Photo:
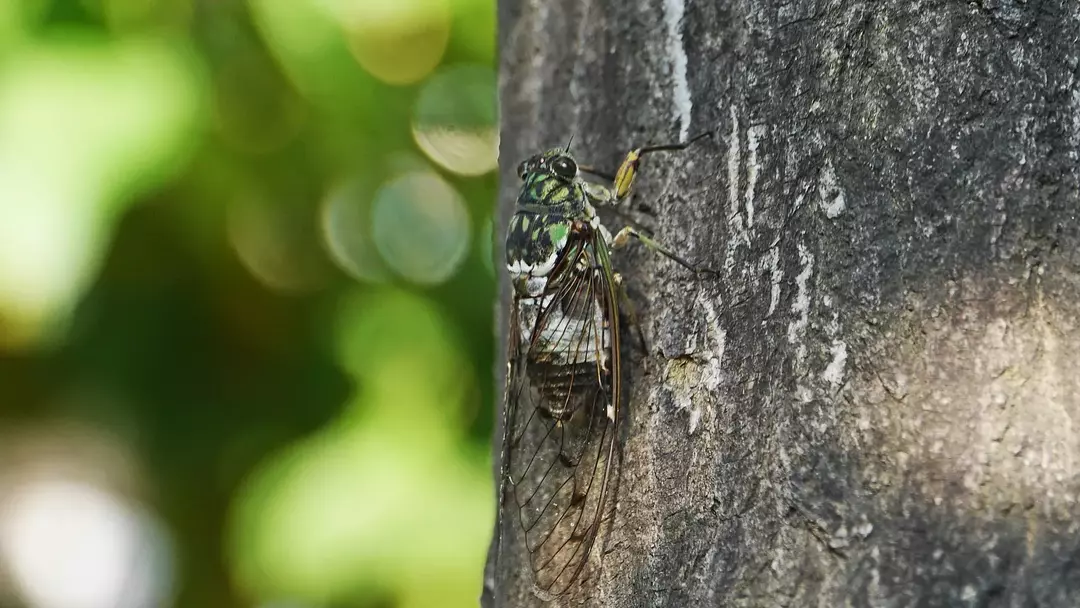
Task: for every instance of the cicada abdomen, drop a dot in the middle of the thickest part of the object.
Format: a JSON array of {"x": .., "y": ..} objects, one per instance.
[{"x": 565, "y": 391}]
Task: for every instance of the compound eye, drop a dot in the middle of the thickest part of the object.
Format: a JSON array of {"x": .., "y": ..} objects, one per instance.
[
  {"x": 564, "y": 167},
  {"x": 521, "y": 170}
]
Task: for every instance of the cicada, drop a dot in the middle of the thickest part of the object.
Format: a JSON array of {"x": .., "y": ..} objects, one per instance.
[{"x": 564, "y": 384}]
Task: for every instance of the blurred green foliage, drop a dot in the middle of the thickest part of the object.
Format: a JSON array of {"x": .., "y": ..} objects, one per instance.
[{"x": 246, "y": 285}]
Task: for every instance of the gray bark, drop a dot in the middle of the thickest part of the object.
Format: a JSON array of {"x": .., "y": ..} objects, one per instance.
[{"x": 877, "y": 403}]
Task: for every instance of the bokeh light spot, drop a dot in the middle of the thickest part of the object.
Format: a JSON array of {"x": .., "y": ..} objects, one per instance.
[
  {"x": 397, "y": 41},
  {"x": 345, "y": 218},
  {"x": 463, "y": 151},
  {"x": 70, "y": 535},
  {"x": 456, "y": 119},
  {"x": 67, "y": 170},
  {"x": 421, "y": 227},
  {"x": 388, "y": 338},
  {"x": 70, "y": 545},
  {"x": 274, "y": 244},
  {"x": 350, "y": 511}
]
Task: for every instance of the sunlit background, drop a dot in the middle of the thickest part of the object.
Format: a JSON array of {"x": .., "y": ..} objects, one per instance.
[{"x": 246, "y": 298}]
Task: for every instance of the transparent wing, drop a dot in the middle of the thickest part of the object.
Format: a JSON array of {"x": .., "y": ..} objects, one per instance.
[{"x": 562, "y": 412}]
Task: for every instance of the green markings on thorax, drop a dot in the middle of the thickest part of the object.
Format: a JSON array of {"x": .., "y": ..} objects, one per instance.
[
  {"x": 558, "y": 232},
  {"x": 547, "y": 190}
]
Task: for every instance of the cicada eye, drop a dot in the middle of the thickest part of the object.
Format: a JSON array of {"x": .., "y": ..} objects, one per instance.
[
  {"x": 564, "y": 167},
  {"x": 521, "y": 170}
]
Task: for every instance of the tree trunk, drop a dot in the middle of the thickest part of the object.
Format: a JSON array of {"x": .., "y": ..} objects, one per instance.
[{"x": 877, "y": 402}]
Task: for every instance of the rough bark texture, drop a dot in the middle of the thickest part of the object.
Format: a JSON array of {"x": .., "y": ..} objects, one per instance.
[{"x": 878, "y": 402}]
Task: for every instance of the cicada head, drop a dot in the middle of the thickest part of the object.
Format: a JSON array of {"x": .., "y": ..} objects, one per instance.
[
  {"x": 556, "y": 163},
  {"x": 551, "y": 198}
]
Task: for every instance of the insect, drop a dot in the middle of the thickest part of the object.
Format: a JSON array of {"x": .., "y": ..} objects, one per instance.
[{"x": 563, "y": 390}]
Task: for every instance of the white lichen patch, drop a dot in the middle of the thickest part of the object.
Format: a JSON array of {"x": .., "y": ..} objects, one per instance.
[
  {"x": 834, "y": 371},
  {"x": 733, "y": 161},
  {"x": 800, "y": 307},
  {"x": 776, "y": 278},
  {"x": 831, "y": 198},
  {"x": 739, "y": 235},
  {"x": 753, "y": 167},
  {"x": 682, "y": 105},
  {"x": 710, "y": 377},
  {"x": 1075, "y": 152},
  {"x": 695, "y": 418}
]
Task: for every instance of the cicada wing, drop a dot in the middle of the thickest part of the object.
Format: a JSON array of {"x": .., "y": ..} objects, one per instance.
[{"x": 562, "y": 414}]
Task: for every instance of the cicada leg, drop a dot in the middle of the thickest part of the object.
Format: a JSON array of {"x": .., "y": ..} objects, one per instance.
[
  {"x": 622, "y": 183},
  {"x": 624, "y": 177},
  {"x": 623, "y": 237}
]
